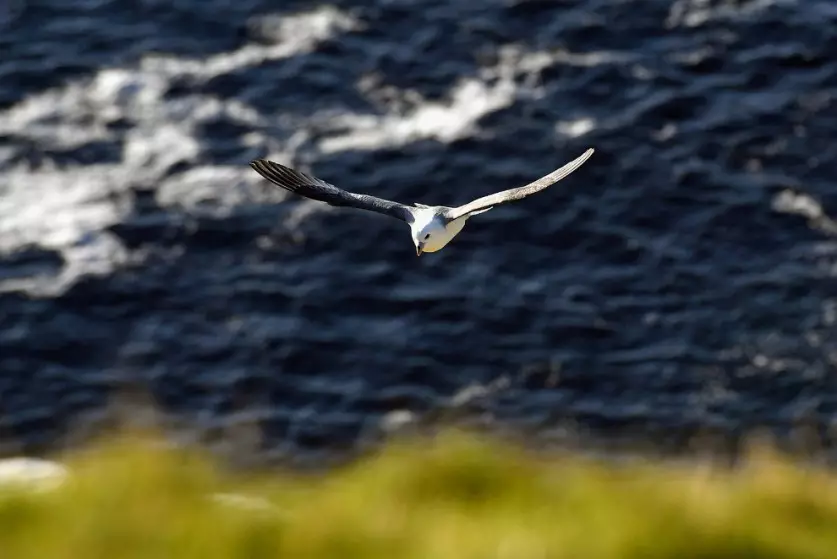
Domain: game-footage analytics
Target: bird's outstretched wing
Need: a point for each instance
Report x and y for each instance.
(486, 202)
(316, 189)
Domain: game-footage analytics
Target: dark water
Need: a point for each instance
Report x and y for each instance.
(683, 280)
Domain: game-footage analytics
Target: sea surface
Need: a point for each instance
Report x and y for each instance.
(682, 282)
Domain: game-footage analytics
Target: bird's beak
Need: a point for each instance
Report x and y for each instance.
(418, 250)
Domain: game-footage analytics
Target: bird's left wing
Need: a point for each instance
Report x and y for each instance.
(486, 202)
(317, 189)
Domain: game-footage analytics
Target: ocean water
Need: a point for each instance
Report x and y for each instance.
(681, 282)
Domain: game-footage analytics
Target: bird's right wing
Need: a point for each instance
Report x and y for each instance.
(316, 189)
(487, 202)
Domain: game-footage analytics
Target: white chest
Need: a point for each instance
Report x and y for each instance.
(442, 236)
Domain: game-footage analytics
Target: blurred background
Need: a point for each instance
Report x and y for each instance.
(681, 284)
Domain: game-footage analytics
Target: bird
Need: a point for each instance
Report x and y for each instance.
(431, 227)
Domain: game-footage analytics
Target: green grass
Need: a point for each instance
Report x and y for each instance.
(456, 496)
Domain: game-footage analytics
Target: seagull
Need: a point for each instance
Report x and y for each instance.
(432, 227)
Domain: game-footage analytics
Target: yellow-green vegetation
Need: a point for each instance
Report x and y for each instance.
(455, 496)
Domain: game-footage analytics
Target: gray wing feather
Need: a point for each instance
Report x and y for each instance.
(487, 202)
(317, 189)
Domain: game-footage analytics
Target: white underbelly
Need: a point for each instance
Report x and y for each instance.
(440, 239)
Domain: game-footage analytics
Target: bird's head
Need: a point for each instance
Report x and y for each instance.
(429, 233)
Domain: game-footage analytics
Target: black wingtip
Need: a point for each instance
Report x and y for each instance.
(282, 176)
(272, 172)
(259, 164)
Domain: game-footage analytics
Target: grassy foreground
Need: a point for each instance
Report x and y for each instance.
(453, 497)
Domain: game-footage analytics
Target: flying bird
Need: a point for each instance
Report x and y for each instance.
(432, 227)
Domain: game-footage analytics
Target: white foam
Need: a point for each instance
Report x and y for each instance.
(495, 87)
(804, 205)
(68, 208)
(797, 203)
(694, 13)
(55, 208)
(446, 121)
(292, 34)
(576, 128)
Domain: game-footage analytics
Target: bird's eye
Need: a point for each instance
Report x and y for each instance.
(427, 236)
